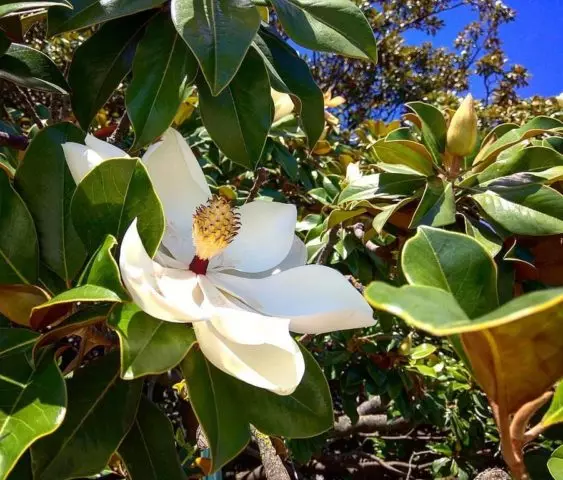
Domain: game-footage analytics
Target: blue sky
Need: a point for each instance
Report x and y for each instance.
(534, 39)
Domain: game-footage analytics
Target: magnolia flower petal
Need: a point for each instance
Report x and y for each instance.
(317, 299)
(181, 186)
(283, 104)
(296, 257)
(104, 149)
(264, 239)
(165, 293)
(278, 368)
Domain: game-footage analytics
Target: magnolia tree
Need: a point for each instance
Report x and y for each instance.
(166, 253)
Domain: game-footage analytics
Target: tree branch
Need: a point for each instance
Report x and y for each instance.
(273, 465)
(261, 176)
(324, 256)
(343, 427)
(116, 138)
(30, 108)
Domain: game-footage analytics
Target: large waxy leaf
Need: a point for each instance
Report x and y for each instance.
(437, 205)
(101, 62)
(530, 209)
(101, 410)
(219, 33)
(520, 340)
(33, 400)
(22, 5)
(555, 464)
(290, 74)
(455, 263)
(148, 345)
(484, 234)
(19, 260)
(45, 183)
(31, 68)
(404, 152)
(148, 450)
(534, 127)
(531, 159)
(387, 212)
(85, 13)
(337, 26)
(110, 197)
(225, 406)
(162, 70)
(434, 128)
(381, 185)
(555, 412)
(239, 118)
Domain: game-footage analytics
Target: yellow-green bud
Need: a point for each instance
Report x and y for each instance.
(462, 132)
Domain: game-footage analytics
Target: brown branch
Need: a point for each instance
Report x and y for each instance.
(17, 142)
(522, 418)
(116, 138)
(327, 250)
(343, 427)
(261, 176)
(273, 465)
(30, 108)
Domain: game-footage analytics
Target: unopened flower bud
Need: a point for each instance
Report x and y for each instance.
(462, 132)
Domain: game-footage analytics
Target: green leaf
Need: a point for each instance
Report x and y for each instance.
(484, 234)
(454, 263)
(290, 74)
(33, 400)
(555, 412)
(225, 406)
(102, 269)
(437, 206)
(381, 219)
(337, 26)
(19, 258)
(31, 68)
(217, 410)
(110, 197)
(16, 340)
(86, 13)
(148, 345)
(531, 159)
(162, 70)
(525, 210)
(434, 128)
(148, 450)
(84, 293)
(422, 351)
(101, 62)
(404, 152)
(286, 160)
(101, 410)
(4, 42)
(239, 118)
(381, 185)
(219, 33)
(555, 464)
(22, 469)
(18, 6)
(46, 185)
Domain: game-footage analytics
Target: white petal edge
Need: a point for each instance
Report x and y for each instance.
(104, 149)
(278, 368)
(317, 299)
(165, 293)
(181, 186)
(264, 239)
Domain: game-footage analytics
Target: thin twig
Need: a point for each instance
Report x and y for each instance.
(273, 465)
(122, 129)
(324, 256)
(261, 175)
(30, 107)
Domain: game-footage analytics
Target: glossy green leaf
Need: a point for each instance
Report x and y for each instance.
(163, 68)
(102, 269)
(110, 197)
(484, 234)
(46, 185)
(555, 464)
(219, 33)
(101, 410)
(404, 152)
(149, 450)
(422, 351)
(33, 400)
(148, 345)
(434, 128)
(218, 412)
(554, 413)
(239, 118)
(531, 209)
(19, 259)
(282, 155)
(101, 62)
(337, 26)
(4, 42)
(23, 5)
(16, 341)
(290, 74)
(381, 219)
(86, 13)
(455, 263)
(31, 68)
(437, 205)
(381, 185)
(529, 159)
(22, 469)
(83, 294)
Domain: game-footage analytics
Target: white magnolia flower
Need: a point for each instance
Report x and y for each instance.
(283, 104)
(238, 275)
(353, 172)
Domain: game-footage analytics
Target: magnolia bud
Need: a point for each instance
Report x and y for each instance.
(462, 132)
(283, 104)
